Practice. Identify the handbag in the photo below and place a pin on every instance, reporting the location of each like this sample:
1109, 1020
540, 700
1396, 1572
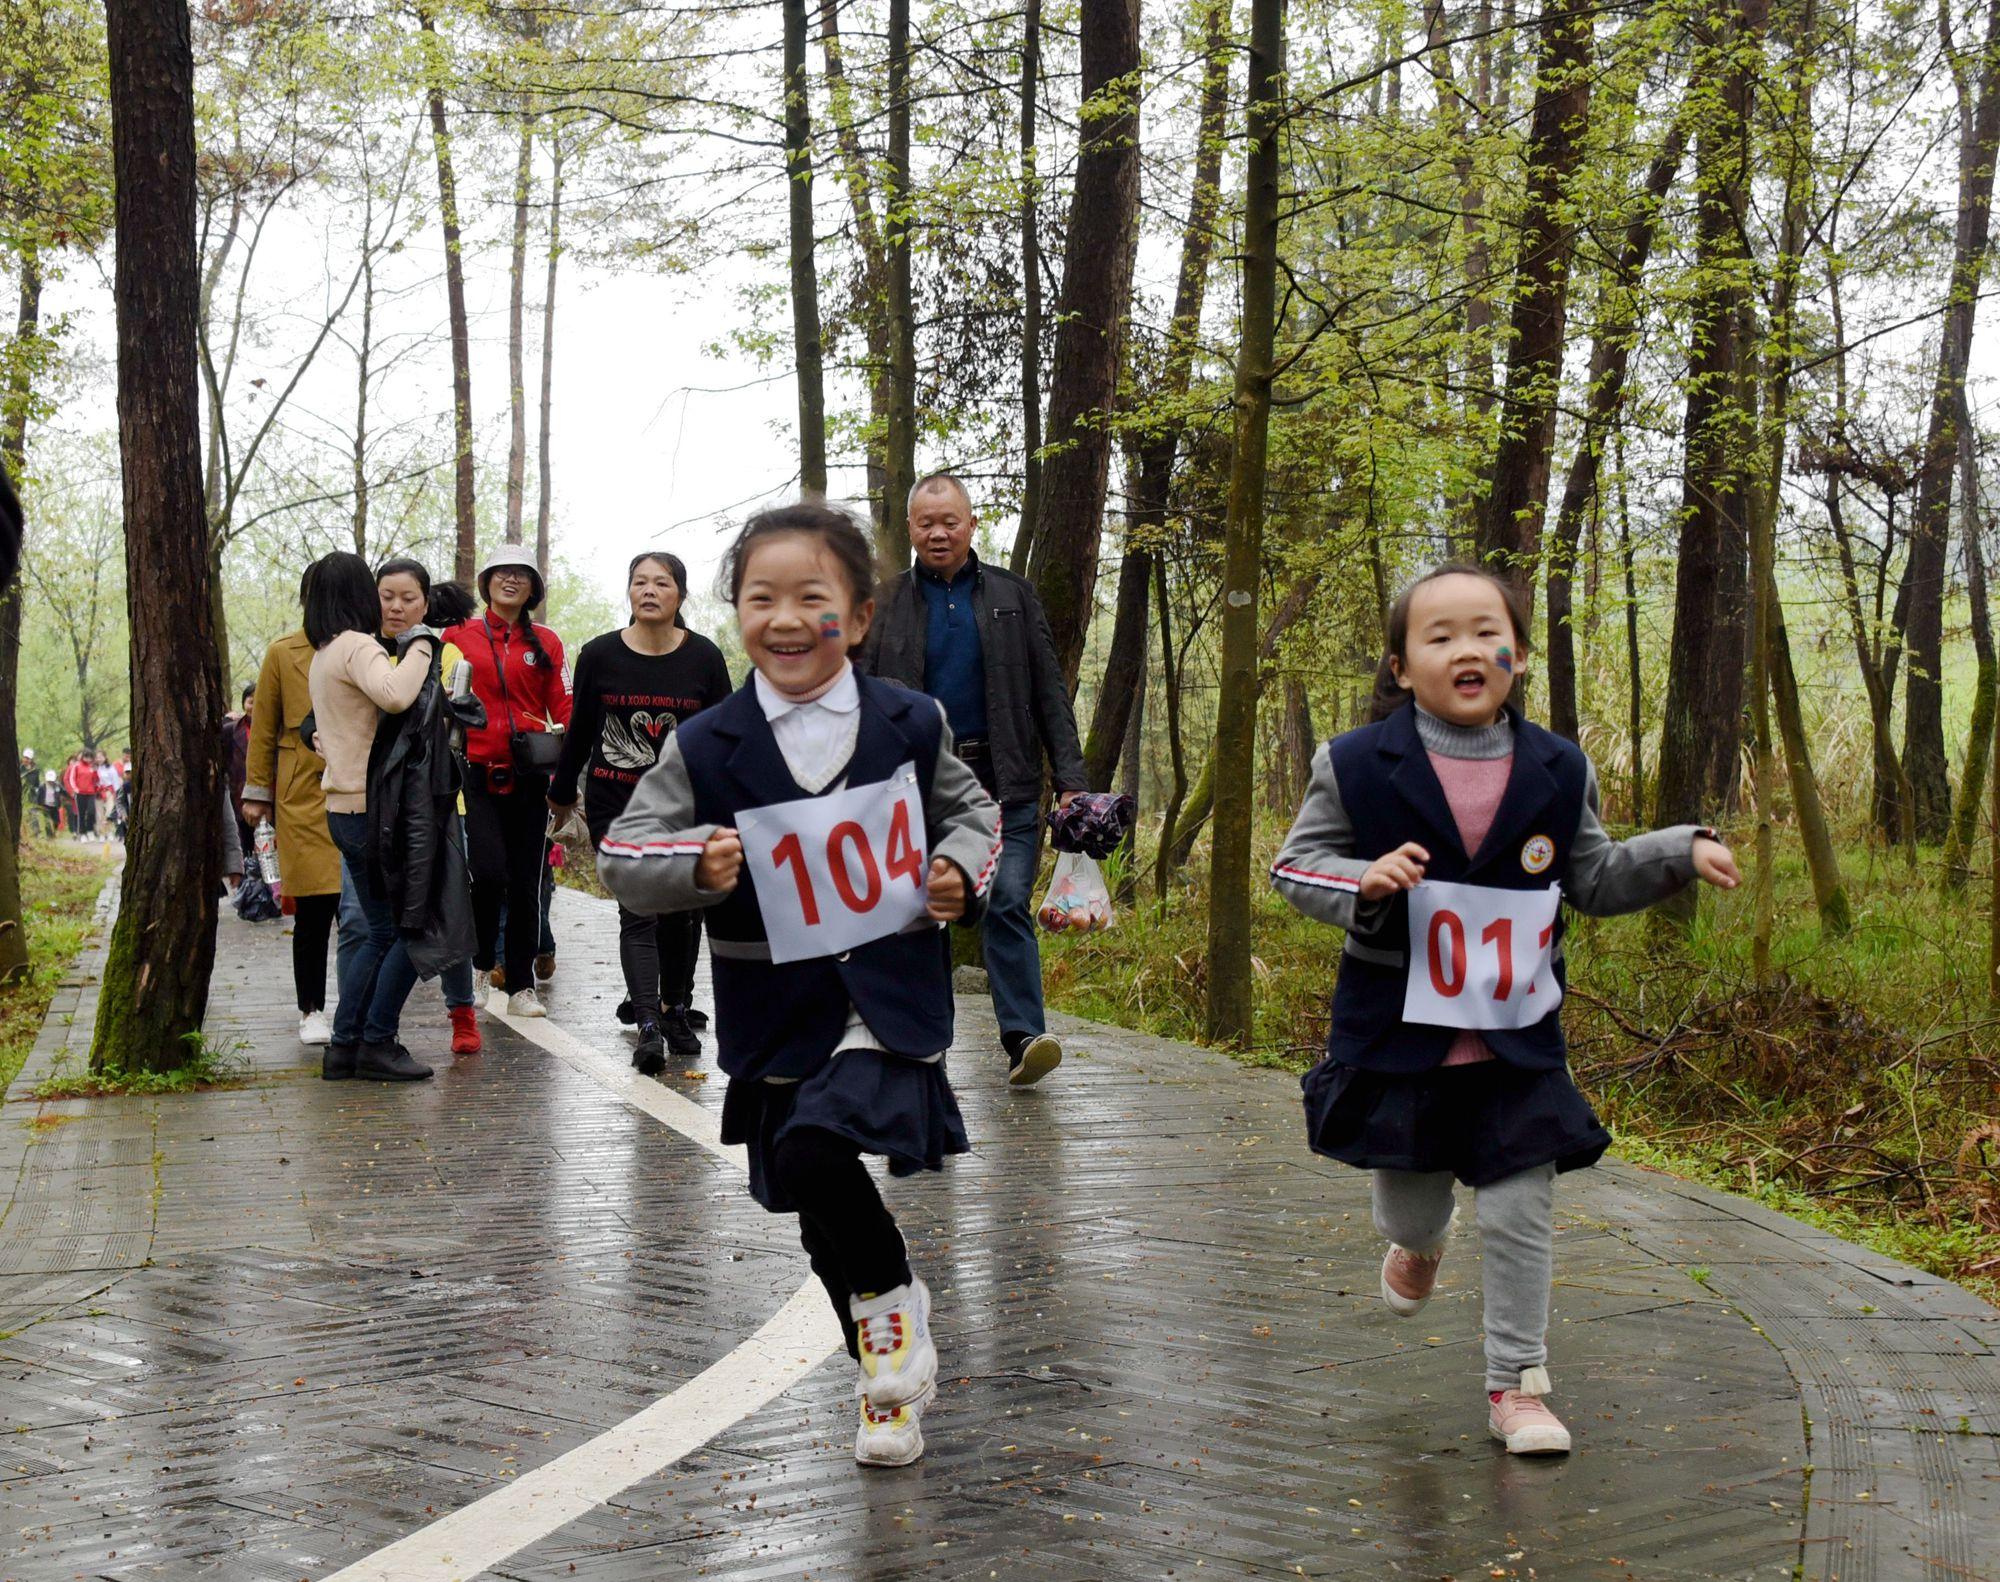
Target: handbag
533, 752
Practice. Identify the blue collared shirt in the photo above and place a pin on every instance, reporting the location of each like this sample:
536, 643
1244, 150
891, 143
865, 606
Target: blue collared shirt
954, 661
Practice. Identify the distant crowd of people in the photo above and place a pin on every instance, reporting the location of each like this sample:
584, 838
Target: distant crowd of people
89, 798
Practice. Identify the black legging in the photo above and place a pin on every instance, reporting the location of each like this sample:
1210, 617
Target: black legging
659, 956
312, 922
503, 834
849, 1233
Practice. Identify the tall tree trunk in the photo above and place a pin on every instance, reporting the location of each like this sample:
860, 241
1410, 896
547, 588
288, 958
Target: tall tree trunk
892, 542
517, 359
1031, 301
15, 402
364, 356
1972, 789
1510, 527
545, 491
1923, 701
156, 971
1164, 865
1635, 706
1702, 728
465, 502
901, 459
807, 350
1231, 1012
1610, 355
1090, 327
1155, 450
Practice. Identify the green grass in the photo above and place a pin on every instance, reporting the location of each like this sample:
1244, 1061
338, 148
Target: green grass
209, 1066
59, 889
1856, 1090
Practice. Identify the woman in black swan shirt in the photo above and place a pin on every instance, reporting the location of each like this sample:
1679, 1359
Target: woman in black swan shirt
632, 687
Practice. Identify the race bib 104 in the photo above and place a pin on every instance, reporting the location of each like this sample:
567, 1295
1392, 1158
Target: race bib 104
1481, 957
832, 872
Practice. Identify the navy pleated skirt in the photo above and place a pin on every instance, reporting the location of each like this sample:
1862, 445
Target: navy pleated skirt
1483, 1122
885, 1104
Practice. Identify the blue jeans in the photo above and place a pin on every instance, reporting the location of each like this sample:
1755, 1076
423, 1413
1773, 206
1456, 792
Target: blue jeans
1013, 958
455, 980
374, 967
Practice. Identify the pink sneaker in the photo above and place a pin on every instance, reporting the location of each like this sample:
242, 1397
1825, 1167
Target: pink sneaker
1520, 1420
1408, 1278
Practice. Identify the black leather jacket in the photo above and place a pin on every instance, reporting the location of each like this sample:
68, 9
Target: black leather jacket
1028, 711
416, 850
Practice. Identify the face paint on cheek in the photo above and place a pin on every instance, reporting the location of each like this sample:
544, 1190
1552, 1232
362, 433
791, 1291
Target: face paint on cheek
829, 628
1503, 656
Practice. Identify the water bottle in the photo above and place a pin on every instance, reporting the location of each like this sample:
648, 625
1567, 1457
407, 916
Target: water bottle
266, 843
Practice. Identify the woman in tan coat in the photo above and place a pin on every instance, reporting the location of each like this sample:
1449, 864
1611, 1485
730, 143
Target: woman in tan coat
281, 773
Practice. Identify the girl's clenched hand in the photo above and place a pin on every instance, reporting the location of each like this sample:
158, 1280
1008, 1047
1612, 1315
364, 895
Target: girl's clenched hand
1401, 869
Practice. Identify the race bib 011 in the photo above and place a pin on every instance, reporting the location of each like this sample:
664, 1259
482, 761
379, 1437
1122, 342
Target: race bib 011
1481, 958
832, 872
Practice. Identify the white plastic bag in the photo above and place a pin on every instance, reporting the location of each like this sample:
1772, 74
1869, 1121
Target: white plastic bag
1078, 899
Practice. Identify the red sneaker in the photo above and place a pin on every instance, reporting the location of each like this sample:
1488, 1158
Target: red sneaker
465, 1030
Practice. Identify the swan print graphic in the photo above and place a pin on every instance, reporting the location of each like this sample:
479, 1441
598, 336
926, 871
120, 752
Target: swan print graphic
633, 743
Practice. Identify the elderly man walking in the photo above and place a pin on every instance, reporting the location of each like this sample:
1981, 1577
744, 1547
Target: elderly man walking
975, 638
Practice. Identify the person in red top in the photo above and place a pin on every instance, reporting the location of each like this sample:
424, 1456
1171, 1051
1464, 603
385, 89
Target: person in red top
80, 780
519, 674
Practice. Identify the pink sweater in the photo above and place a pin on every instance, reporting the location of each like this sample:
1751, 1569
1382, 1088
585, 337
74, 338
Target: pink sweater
1473, 787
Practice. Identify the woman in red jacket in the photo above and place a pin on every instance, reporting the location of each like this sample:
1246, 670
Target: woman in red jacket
518, 672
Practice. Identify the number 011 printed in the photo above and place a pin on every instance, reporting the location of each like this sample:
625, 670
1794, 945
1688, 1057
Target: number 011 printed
1481, 957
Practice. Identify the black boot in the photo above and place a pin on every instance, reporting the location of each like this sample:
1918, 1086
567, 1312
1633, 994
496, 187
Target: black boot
649, 1058
682, 1040
389, 1062
336, 1062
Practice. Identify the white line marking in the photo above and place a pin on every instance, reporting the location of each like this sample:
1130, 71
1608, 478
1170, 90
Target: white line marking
791, 1343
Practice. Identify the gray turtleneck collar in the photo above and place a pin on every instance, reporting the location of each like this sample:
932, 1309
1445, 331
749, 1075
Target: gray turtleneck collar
1464, 741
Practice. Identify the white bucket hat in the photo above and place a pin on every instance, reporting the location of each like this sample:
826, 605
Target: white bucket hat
519, 557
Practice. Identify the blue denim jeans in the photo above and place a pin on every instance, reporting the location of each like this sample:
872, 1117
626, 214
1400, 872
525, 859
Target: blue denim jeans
1013, 957
374, 967
455, 980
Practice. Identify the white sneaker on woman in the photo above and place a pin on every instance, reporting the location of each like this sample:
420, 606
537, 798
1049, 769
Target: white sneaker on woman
891, 1436
315, 1030
898, 1360
525, 1002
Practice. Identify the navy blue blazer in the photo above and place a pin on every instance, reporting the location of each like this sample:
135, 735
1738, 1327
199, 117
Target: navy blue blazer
1392, 795
785, 1020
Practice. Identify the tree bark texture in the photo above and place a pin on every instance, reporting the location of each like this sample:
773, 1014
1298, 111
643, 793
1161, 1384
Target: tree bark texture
807, 350
1702, 728
1930, 525
901, 459
1979, 738
14, 405
1090, 328
1610, 355
1031, 299
1151, 462
517, 359
1517, 498
465, 500
545, 491
156, 972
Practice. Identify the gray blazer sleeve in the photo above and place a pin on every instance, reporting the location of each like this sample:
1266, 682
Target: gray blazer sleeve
1606, 876
1055, 719
1316, 869
964, 826
648, 855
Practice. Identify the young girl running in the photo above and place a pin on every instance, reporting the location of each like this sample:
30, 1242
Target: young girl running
833, 1049
1443, 838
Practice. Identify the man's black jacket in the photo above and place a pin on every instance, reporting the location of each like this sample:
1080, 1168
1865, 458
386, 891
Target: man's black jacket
1027, 706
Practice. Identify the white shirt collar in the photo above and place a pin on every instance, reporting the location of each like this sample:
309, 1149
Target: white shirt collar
844, 697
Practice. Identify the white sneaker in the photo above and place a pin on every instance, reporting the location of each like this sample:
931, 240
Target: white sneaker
525, 1002
1521, 1421
898, 1361
891, 1436
315, 1030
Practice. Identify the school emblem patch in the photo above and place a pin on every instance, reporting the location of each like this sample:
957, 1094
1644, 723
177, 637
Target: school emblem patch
1538, 853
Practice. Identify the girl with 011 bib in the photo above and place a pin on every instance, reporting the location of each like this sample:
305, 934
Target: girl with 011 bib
831, 1056
1437, 836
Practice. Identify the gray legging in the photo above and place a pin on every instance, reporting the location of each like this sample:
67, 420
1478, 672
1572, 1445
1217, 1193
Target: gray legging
1516, 1232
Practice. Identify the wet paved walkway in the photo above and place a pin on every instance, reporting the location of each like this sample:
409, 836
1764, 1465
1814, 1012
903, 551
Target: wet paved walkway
269, 1332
